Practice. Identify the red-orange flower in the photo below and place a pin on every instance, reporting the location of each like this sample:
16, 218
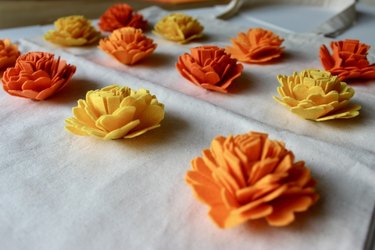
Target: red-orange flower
209, 67
247, 177
121, 15
256, 46
127, 45
8, 54
348, 60
37, 75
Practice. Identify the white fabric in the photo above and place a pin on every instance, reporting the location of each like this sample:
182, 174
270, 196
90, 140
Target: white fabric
59, 191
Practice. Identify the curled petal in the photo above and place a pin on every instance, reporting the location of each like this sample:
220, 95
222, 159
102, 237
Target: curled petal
8, 54
115, 112
180, 28
316, 95
37, 75
247, 177
73, 31
121, 15
127, 45
348, 60
209, 67
256, 46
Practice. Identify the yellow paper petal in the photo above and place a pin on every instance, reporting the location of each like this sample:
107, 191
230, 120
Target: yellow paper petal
316, 95
116, 112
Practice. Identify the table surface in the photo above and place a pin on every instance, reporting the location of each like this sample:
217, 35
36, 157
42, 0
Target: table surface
35, 174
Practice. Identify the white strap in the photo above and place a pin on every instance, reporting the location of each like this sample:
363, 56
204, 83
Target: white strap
344, 18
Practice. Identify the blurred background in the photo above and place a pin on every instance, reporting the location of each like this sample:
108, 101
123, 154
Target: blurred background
15, 13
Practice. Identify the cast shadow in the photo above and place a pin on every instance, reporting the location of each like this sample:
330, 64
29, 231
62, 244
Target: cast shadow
157, 60
170, 127
76, 89
242, 84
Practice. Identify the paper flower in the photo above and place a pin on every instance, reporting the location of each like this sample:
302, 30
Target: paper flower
179, 28
209, 67
127, 45
247, 177
256, 46
116, 112
37, 75
316, 95
73, 31
348, 60
8, 54
121, 15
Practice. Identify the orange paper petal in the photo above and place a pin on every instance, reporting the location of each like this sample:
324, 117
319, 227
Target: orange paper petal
348, 60
209, 67
256, 46
8, 54
127, 45
121, 15
247, 177
37, 75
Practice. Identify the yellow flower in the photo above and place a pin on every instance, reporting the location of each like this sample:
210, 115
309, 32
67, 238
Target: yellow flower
73, 31
179, 28
316, 95
116, 112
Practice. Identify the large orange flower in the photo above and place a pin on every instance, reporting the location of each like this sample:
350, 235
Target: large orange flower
256, 46
348, 60
121, 15
127, 45
209, 67
37, 75
247, 177
8, 54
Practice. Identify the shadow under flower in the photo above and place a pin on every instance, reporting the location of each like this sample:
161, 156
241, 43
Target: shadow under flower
157, 60
242, 84
170, 127
75, 90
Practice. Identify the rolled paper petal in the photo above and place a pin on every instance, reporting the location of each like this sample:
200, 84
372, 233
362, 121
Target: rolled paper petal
247, 177
127, 45
348, 60
73, 31
316, 95
115, 112
179, 28
121, 15
8, 54
209, 67
256, 46
37, 75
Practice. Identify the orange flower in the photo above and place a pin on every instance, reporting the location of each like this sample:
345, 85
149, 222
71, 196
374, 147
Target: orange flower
209, 67
348, 60
8, 54
37, 75
247, 177
256, 46
127, 45
121, 15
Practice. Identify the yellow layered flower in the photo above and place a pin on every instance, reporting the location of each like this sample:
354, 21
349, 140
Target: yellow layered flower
180, 28
116, 112
73, 31
316, 95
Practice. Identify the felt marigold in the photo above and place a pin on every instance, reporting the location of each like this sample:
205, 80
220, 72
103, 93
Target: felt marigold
316, 95
179, 28
348, 60
121, 15
116, 112
8, 54
37, 75
247, 177
127, 45
209, 67
256, 46
73, 31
